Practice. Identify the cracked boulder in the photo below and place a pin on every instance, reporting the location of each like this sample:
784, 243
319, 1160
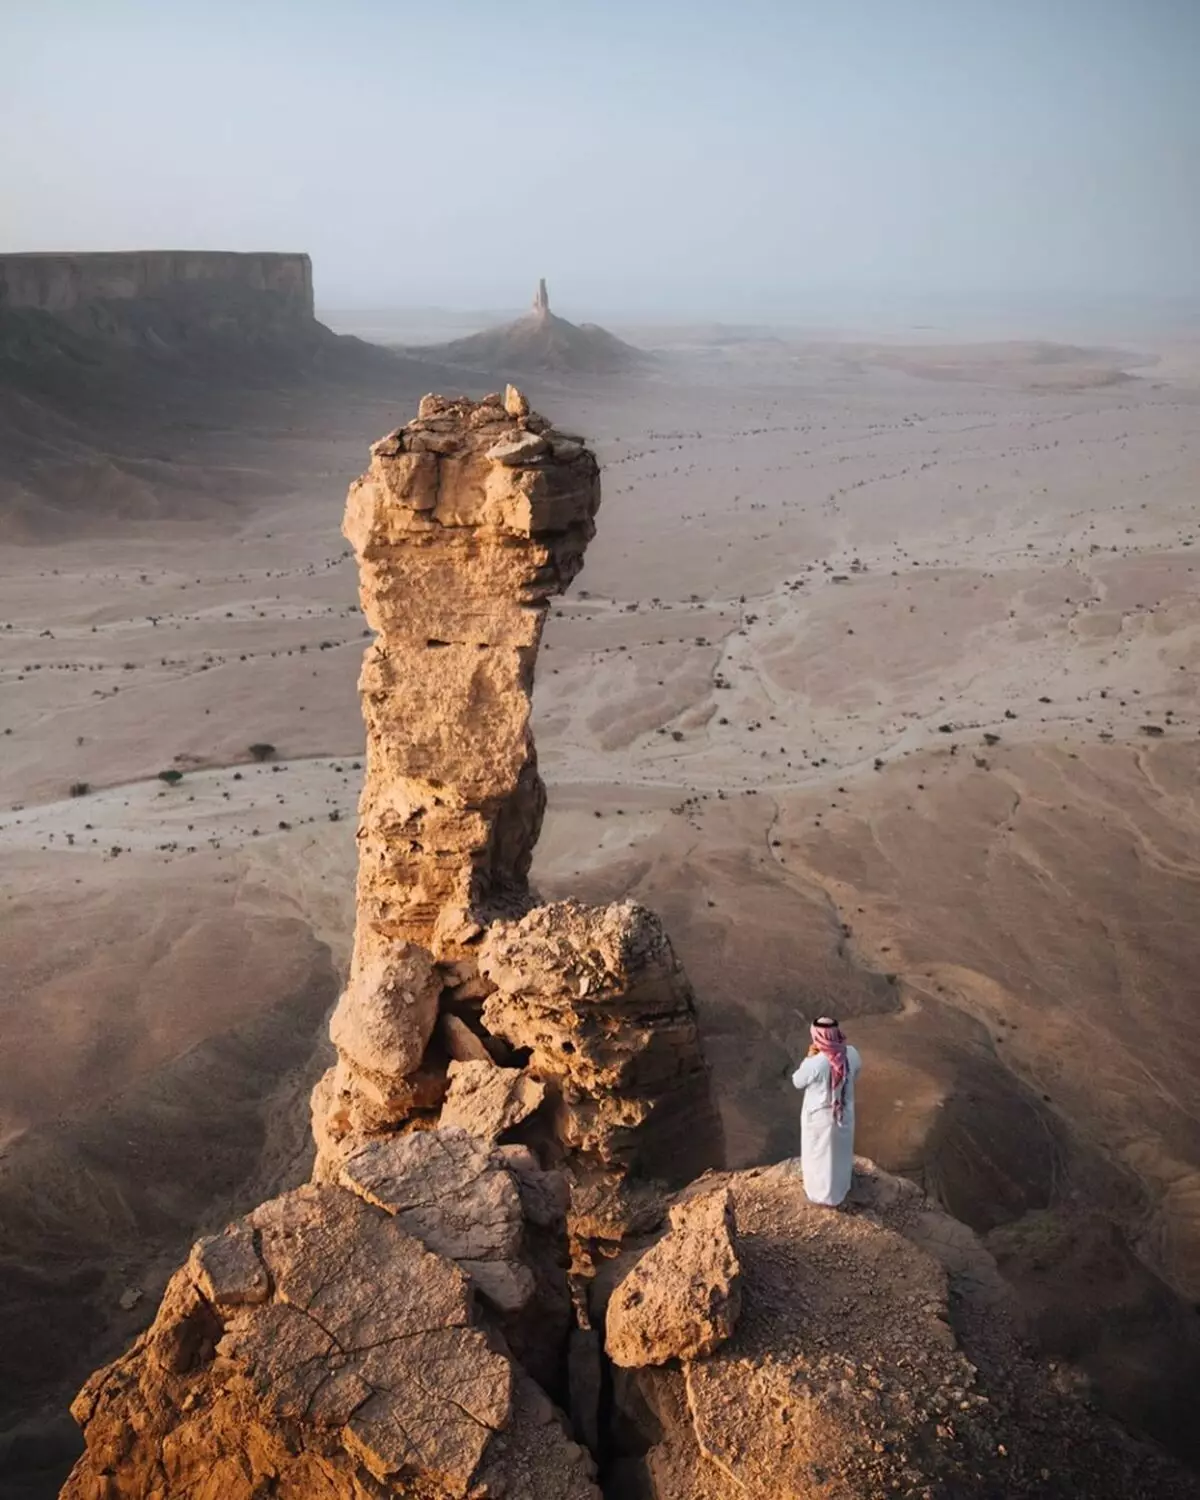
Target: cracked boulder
320, 1349
445, 1187
682, 1298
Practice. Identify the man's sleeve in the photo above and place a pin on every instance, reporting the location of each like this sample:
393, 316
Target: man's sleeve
805, 1073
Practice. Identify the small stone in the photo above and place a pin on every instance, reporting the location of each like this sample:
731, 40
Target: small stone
522, 448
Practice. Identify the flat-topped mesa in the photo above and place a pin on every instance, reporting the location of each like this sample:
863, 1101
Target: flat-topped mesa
468, 520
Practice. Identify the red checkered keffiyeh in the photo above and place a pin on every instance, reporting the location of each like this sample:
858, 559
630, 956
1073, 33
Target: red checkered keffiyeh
831, 1043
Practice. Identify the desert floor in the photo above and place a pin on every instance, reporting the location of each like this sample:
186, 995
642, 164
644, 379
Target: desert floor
880, 683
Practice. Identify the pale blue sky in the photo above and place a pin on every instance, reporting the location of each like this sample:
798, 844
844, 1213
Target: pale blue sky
657, 157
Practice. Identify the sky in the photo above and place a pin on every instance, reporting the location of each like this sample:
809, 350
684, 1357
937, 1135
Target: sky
654, 158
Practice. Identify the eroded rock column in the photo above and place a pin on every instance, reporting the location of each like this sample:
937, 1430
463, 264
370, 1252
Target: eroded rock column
466, 523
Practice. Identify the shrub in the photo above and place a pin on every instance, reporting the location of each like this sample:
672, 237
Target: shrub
80, 788
172, 777
262, 751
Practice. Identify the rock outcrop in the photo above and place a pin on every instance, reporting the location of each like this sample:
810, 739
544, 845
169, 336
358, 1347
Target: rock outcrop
598, 1002
468, 521
877, 1353
323, 1347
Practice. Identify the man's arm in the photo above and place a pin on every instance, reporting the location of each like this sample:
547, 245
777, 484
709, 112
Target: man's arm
806, 1073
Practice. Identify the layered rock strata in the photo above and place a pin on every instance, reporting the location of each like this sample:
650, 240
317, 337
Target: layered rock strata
466, 523
63, 283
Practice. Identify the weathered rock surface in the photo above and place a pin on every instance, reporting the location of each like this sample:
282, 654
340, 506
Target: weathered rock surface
383, 1022
486, 1101
445, 1188
464, 526
602, 1005
318, 1349
864, 1364
682, 1298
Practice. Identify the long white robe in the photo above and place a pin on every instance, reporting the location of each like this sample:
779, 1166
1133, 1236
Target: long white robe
827, 1148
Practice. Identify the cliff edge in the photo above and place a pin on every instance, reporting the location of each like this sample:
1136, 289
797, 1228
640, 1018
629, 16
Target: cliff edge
158, 301
501, 1281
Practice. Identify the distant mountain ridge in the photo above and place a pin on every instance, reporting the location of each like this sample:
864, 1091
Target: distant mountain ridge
540, 341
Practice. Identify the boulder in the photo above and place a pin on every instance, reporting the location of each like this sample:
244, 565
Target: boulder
485, 1100
682, 1298
598, 999
448, 1190
383, 1021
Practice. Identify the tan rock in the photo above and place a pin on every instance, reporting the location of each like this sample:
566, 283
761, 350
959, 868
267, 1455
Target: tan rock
460, 1042
485, 1100
228, 1269
514, 403
682, 1298
525, 447
448, 1190
349, 1108
383, 1021
598, 997
458, 555
339, 1361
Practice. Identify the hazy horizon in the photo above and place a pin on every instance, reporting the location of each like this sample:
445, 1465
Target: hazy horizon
653, 161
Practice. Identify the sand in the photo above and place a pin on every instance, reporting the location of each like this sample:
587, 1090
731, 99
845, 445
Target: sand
880, 683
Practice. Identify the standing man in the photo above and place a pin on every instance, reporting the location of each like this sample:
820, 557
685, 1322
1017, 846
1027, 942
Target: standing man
826, 1079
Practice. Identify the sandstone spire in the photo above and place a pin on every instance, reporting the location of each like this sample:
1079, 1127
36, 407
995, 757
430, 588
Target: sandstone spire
465, 524
541, 299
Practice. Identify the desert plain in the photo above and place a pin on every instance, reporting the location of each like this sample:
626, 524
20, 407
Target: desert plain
880, 684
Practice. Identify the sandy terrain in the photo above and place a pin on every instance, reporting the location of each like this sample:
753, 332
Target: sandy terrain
880, 683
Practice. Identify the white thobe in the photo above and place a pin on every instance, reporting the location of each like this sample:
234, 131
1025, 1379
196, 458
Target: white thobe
827, 1148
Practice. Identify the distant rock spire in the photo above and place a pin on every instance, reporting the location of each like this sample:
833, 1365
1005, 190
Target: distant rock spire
541, 298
